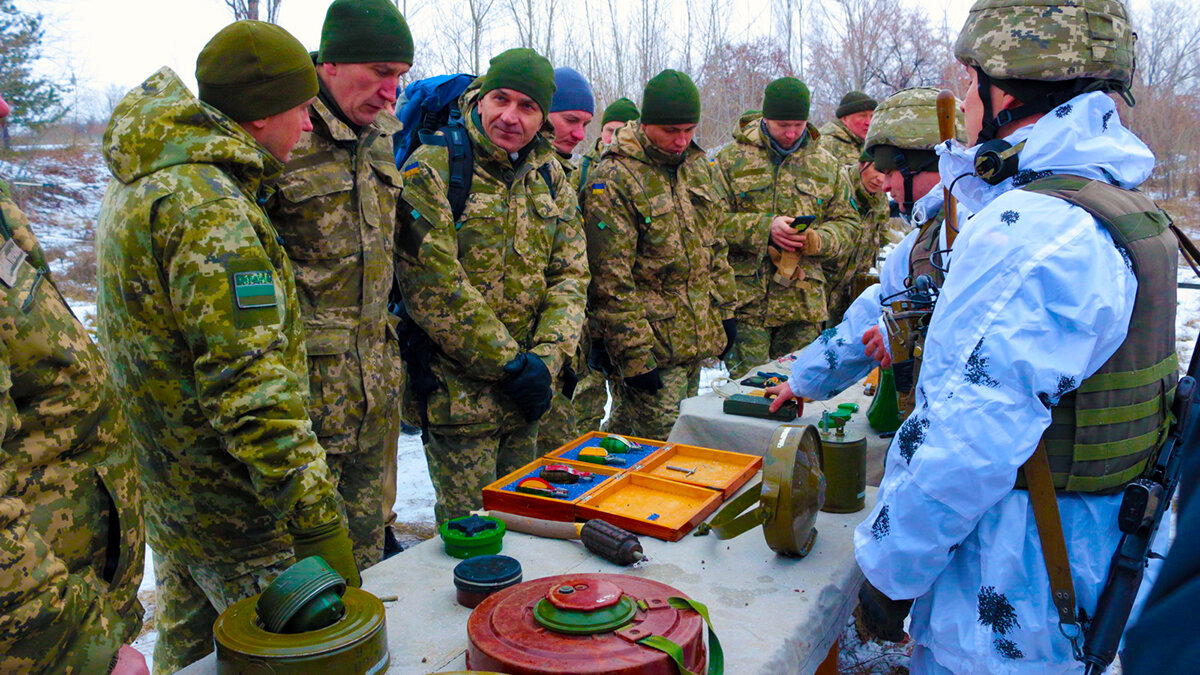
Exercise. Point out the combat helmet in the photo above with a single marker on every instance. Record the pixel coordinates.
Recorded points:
(1015, 44)
(903, 134)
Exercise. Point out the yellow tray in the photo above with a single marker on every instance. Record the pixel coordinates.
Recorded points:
(501, 495)
(717, 469)
(645, 504)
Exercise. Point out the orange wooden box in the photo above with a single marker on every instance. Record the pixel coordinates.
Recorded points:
(501, 495)
(666, 509)
(717, 469)
(593, 438)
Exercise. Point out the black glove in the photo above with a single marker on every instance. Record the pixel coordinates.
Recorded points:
(649, 381)
(730, 326)
(527, 382)
(570, 380)
(598, 358)
(882, 616)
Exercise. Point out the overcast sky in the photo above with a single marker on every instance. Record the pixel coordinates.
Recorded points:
(123, 41)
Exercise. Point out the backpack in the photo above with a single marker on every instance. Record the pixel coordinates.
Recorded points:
(431, 105)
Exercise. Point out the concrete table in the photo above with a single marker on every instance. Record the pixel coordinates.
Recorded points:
(772, 614)
(701, 422)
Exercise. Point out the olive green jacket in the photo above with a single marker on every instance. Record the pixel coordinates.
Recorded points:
(71, 533)
(661, 281)
(759, 184)
(336, 212)
(509, 276)
(198, 318)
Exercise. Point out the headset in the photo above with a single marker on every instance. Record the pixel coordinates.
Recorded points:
(997, 160)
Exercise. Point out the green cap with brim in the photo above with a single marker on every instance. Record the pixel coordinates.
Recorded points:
(855, 102)
(522, 70)
(365, 31)
(251, 70)
(786, 99)
(620, 110)
(671, 98)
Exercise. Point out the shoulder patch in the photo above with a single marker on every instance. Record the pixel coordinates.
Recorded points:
(598, 188)
(254, 289)
(410, 170)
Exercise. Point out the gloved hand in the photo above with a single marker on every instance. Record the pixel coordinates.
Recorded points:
(331, 541)
(812, 243)
(650, 381)
(570, 380)
(598, 358)
(880, 615)
(527, 383)
(730, 326)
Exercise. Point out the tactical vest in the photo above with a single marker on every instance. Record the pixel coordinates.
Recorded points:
(907, 322)
(1103, 433)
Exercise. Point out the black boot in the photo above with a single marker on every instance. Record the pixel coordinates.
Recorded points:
(391, 546)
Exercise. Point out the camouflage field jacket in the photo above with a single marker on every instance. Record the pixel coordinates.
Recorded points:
(200, 323)
(71, 534)
(509, 276)
(661, 282)
(759, 184)
(336, 212)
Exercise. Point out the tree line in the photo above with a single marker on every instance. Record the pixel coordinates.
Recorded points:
(731, 48)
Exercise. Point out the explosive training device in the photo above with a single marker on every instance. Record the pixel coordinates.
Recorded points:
(787, 271)
(614, 544)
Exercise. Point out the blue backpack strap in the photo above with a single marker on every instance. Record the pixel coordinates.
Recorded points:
(462, 163)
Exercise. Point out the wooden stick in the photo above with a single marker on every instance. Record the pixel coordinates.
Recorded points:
(947, 106)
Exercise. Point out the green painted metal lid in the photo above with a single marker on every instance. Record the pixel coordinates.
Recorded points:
(308, 596)
(473, 535)
(586, 607)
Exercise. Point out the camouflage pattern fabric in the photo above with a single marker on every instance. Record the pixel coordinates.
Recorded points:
(637, 412)
(840, 271)
(461, 465)
(1052, 40)
(756, 346)
(874, 213)
(336, 212)
(908, 119)
(190, 598)
(758, 185)
(68, 479)
(661, 281)
(510, 276)
(199, 321)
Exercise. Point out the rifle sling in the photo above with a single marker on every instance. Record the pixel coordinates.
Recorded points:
(1050, 532)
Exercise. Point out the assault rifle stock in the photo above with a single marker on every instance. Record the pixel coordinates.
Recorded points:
(1143, 508)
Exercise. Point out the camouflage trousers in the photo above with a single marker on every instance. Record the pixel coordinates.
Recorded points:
(188, 599)
(755, 346)
(637, 412)
(389, 471)
(570, 418)
(360, 478)
(461, 463)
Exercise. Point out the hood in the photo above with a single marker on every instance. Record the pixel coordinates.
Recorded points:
(486, 151)
(160, 124)
(630, 141)
(1083, 137)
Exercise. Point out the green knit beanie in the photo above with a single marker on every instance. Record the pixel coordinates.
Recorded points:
(365, 31)
(620, 110)
(853, 102)
(671, 98)
(522, 70)
(251, 70)
(786, 99)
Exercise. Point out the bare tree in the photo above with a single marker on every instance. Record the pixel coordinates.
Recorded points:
(250, 9)
(534, 21)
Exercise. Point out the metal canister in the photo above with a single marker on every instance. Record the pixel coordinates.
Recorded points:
(844, 463)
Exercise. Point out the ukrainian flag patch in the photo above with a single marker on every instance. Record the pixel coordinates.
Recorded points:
(411, 170)
(598, 188)
(254, 290)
